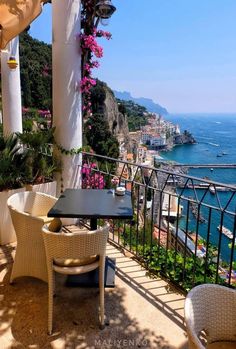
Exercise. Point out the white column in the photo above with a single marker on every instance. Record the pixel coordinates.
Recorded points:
(11, 90)
(66, 58)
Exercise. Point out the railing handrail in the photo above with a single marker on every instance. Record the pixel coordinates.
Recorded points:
(160, 235)
(168, 172)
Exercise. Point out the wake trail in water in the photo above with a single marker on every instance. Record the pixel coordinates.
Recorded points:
(214, 144)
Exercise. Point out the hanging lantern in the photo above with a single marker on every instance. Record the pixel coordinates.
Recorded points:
(12, 63)
(104, 9)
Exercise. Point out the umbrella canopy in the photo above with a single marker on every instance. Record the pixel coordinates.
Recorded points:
(15, 16)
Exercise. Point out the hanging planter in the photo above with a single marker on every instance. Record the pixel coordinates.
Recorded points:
(12, 63)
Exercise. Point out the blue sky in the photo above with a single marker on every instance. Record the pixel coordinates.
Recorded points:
(180, 53)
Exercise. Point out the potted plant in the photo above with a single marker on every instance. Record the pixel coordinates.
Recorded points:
(40, 163)
(26, 163)
(12, 178)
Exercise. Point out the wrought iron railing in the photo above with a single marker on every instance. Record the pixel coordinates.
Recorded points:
(183, 227)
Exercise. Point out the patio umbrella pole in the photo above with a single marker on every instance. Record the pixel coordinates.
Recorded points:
(67, 112)
(11, 89)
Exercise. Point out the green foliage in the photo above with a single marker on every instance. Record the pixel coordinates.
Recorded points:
(26, 159)
(98, 95)
(27, 124)
(39, 162)
(184, 270)
(100, 138)
(13, 172)
(97, 132)
(73, 151)
(136, 114)
(36, 72)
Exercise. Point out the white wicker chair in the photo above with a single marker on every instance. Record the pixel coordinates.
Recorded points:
(210, 311)
(81, 252)
(29, 213)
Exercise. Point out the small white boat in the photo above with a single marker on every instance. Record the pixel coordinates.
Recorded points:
(226, 232)
(212, 189)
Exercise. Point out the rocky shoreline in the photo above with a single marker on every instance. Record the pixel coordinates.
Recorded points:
(180, 139)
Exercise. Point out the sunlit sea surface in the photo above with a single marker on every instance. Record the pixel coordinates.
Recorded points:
(216, 144)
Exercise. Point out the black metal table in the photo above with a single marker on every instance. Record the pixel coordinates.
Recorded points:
(93, 204)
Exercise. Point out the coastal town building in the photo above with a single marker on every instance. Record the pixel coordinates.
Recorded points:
(170, 208)
(159, 133)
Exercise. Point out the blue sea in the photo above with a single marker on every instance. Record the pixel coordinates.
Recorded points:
(216, 143)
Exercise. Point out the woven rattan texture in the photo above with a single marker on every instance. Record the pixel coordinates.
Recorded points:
(212, 309)
(74, 245)
(25, 209)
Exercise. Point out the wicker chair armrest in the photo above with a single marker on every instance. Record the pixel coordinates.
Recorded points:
(27, 215)
(44, 205)
(211, 308)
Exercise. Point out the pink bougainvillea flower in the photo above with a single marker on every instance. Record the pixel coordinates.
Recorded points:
(90, 49)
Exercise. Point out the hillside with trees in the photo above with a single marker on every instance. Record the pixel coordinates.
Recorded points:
(136, 114)
(36, 72)
(109, 115)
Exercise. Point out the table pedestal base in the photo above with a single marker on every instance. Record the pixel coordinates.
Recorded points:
(91, 279)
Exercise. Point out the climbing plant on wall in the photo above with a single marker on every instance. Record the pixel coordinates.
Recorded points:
(91, 51)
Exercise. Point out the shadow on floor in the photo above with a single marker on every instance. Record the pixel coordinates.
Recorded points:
(23, 318)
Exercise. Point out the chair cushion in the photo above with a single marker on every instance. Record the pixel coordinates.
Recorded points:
(55, 225)
(74, 229)
(78, 262)
(222, 345)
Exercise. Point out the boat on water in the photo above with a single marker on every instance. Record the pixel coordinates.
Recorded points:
(212, 189)
(226, 232)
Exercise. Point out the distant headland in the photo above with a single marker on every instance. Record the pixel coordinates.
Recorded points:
(148, 103)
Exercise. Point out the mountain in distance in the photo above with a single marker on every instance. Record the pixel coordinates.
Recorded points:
(148, 103)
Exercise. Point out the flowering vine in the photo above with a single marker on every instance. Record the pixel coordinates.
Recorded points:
(91, 178)
(91, 51)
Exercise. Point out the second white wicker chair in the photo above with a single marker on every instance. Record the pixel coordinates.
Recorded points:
(75, 253)
(29, 213)
(211, 309)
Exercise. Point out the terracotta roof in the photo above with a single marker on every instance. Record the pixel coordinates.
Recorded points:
(163, 235)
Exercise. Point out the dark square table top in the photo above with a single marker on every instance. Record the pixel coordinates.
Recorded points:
(92, 203)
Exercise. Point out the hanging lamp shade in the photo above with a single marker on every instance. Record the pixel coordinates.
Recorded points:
(104, 9)
(15, 16)
(12, 63)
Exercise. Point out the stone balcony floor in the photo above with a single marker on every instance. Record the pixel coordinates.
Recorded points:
(142, 312)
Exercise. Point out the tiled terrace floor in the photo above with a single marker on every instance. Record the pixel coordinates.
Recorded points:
(143, 312)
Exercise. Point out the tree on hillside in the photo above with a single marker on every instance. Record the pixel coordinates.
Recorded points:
(36, 72)
(98, 96)
(100, 138)
(136, 114)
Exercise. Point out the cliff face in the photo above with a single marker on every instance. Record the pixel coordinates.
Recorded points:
(117, 121)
